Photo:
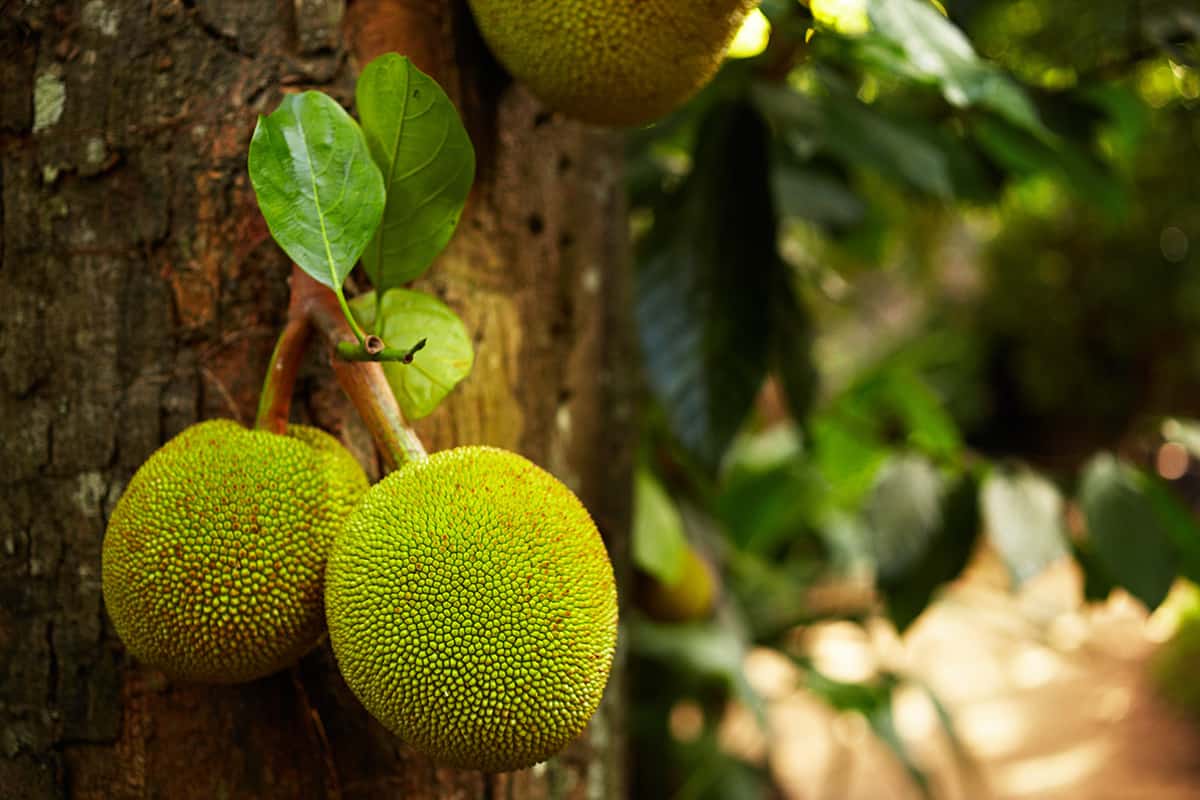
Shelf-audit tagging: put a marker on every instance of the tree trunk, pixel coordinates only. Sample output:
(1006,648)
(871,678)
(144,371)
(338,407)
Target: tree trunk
(141,293)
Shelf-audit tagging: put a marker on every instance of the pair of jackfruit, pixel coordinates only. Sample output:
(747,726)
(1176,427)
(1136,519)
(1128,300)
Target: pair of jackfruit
(469,599)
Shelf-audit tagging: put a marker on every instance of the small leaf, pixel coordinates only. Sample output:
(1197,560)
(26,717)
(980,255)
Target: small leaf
(817,196)
(444,361)
(319,190)
(864,136)
(792,345)
(427,161)
(709,649)
(1024,515)
(1127,536)
(904,513)
(659,546)
(1025,155)
(923,531)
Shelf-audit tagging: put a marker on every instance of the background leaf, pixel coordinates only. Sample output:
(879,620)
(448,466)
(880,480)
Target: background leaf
(704,279)
(1126,535)
(934,47)
(659,545)
(444,361)
(319,190)
(923,530)
(1024,516)
(427,161)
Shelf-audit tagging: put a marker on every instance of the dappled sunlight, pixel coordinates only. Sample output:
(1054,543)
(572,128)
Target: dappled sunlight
(1050,706)
(1057,771)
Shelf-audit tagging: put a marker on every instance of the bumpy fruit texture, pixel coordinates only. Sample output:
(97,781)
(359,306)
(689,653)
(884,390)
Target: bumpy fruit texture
(611,62)
(214,557)
(688,599)
(472,609)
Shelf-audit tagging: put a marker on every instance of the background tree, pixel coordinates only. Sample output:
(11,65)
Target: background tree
(144,293)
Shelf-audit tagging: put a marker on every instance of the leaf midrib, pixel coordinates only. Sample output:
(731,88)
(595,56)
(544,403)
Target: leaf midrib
(312,176)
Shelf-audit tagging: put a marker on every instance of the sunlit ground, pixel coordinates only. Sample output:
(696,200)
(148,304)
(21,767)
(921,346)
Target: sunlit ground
(1049,698)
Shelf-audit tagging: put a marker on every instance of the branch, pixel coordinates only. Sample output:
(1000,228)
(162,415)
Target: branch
(364,383)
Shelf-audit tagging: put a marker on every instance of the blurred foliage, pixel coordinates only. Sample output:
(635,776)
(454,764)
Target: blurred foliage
(912,280)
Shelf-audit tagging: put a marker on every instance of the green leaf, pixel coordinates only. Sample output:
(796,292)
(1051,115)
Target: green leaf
(923,530)
(864,136)
(936,49)
(762,509)
(904,513)
(704,280)
(708,649)
(1178,523)
(816,196)
(444,361)
(659,546)
(1024,516)
(930,427)
(1026,155)
(319,190)
(428,164)
(1127,536)
(792,345)
(1098,582)
(848,458)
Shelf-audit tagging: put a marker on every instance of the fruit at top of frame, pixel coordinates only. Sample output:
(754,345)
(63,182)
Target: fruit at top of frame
(611,62)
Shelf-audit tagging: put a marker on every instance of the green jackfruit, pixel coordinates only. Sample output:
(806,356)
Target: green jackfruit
(472,609)
(214,557)
(688,599)
(611,62)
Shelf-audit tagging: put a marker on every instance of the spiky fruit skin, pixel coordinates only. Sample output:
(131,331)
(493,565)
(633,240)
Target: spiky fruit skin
(611,62)
(472,609)
(214,558)
(688,599)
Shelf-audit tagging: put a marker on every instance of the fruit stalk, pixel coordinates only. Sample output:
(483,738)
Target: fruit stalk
(364,382)
(275,402)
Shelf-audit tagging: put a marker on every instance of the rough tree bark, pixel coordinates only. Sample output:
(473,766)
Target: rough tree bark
(140,292)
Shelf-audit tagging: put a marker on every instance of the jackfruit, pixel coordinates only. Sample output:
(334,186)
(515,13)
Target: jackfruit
(688,599)
(214,557)
(472,609)
(611,62)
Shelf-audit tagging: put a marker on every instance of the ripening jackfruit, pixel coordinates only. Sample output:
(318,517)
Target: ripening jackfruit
(688,599)
(472,609)
(214,557)
(611,62)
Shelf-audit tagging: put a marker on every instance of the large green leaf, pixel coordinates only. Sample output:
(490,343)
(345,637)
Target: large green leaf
(1128,537)
(705,274)
(428,164)
(446,358)
(319,190)
(659,546)
(1024,516)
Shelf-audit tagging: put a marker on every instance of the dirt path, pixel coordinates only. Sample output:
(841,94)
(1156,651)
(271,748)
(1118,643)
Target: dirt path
(1049,697)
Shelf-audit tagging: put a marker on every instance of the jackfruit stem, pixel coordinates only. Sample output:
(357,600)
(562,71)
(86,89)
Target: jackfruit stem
(275,401)
(363,382)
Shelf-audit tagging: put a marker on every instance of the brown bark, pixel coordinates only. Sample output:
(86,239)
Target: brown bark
(141,293)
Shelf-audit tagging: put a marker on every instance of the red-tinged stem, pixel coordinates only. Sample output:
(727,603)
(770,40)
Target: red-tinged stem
(275,402)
